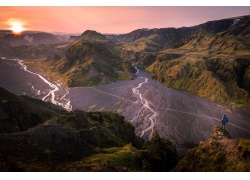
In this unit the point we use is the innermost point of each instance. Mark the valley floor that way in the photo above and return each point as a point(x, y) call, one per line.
point(183, 118)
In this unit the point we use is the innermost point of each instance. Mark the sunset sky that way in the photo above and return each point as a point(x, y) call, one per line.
point(112, 19)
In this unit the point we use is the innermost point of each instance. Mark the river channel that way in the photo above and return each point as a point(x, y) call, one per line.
point(183, 118)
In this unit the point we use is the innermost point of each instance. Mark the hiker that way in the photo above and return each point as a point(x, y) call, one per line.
point(224, 120)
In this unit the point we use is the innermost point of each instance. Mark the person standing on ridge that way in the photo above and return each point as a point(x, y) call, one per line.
point(224, 120)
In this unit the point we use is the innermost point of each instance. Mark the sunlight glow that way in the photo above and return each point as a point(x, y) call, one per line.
point(16, 25)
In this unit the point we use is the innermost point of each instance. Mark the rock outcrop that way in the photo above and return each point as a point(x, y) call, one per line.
point(220, 153)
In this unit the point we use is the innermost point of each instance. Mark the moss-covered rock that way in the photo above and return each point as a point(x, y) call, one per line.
point(162, 155)
point(219, 153)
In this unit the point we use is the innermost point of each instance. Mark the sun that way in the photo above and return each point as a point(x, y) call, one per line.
point(17, 27)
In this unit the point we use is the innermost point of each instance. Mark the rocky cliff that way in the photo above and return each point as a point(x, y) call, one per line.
point(218, 154)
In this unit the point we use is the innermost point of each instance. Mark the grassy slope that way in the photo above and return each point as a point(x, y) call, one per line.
point(210, 65)
point(217, 79)
point(158, 154)
point(89, 64)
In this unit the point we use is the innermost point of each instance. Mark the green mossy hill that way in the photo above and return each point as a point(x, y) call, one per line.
point(82, 51)
point(227, 36)
point(155, 41)
point(18, 113)
point(90, 60)
point(163, 153)
point(100, 129)
point(157, 155)
point(75, 141)
point(207, 43)
point(212, 62)
point(92, 63)
point(219, 153)
point(93, 36)
point(220, 79)
point(161, 38)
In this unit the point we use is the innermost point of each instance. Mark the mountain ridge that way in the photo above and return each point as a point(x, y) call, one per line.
point(180, 58)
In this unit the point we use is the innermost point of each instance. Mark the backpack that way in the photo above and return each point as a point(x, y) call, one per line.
point(224, 119)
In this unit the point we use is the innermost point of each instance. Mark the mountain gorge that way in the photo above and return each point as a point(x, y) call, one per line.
point(170, 86)
point(180, 58)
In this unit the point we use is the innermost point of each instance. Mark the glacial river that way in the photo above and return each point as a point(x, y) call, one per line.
point(183, 118)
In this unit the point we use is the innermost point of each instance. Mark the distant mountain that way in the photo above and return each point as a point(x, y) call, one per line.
point(220, 153)
point(130, 37)
point(93, 36)
point(132, 47)
point(162, 37)
point(27, 38)
point(228, 36)
point(33, 52)
point(72, 38)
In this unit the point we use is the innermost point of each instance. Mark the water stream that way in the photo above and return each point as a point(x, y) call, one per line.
point(145, 105)
point(51, 95)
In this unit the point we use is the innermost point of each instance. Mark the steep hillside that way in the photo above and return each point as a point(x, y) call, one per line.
point(212, 62)
point(155, 41)
point(92, 60)
point(219, 153)
point(221, 79)
point(19, 113)
point(76, 141)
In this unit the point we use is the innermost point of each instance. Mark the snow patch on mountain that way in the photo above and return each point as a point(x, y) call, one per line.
point(235, 21)
point(28, 38)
